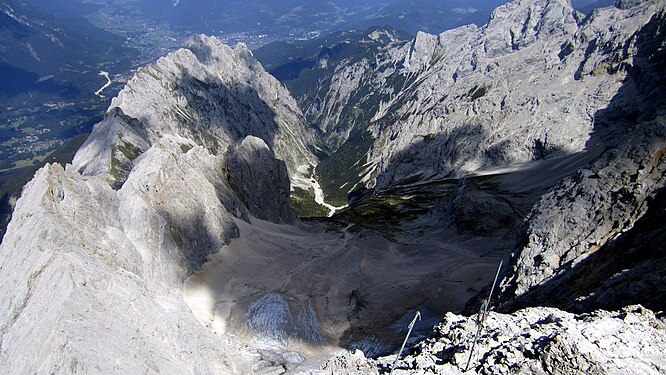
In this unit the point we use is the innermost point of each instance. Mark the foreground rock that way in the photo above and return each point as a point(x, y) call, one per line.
point(532, 341)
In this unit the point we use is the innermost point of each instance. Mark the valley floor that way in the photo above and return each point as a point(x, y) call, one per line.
point(296, 294)
point(357, 285)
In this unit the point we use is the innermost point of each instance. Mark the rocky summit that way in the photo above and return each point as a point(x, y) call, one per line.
point(170, 245)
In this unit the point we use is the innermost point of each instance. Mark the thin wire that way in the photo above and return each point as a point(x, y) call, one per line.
point(481, 316)
point(411, 325)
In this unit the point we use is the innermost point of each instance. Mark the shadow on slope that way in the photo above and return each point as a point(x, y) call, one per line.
point(208, 111)
point(628, 270)
point(432, 194)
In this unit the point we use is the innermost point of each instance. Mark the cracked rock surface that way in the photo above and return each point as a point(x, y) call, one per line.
point(533, 341)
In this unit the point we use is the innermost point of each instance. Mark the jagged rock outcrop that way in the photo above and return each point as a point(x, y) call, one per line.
point(534, 341)
point(585, 214)
point(207, 92)
point(89, 290)
point(587, 219)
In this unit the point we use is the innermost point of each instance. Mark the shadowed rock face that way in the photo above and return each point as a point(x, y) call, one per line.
point(260, 180)
point(524, 87)
point(595, 225)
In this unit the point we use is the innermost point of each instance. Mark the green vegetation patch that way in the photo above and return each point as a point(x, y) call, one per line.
point(211, 142)
point(343, 168)
point(129, 151)
point(184, 147)
point(116, 169)
point(303, 203)
point(119, 169)
point(385, 211)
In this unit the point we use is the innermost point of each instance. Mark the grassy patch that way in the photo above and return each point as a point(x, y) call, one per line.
point(303, 202)
point(184, 147)
point(344, 167)
point(211, 142)
point(385, 211)
point(116, 169)
point(129, 151)
point(119, 168)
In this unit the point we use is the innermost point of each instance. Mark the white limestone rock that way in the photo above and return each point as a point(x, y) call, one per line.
point(534, 341)
point(593, 216)
point(81, 295)
point(207, 92)
point(96, 255)
point(546, 341)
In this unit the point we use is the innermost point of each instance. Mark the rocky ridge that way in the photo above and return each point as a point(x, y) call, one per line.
point(608, 205)
point(96, 254)
point(534, 340)
point(524, 87)
point(209, 93)
point(91, 278)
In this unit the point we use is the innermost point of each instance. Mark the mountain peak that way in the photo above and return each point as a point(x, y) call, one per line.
point(210, 93)
point(517, 24)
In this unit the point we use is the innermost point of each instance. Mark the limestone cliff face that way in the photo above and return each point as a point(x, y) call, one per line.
point(538, 82)
point(600, 227)
point(252, 170)
point(523, 87)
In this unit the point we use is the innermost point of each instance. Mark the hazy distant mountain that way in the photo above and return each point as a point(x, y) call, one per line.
point(236, 15)
point(586, 6)
point(430, 16)
point(283, 15)
point(38, 50)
